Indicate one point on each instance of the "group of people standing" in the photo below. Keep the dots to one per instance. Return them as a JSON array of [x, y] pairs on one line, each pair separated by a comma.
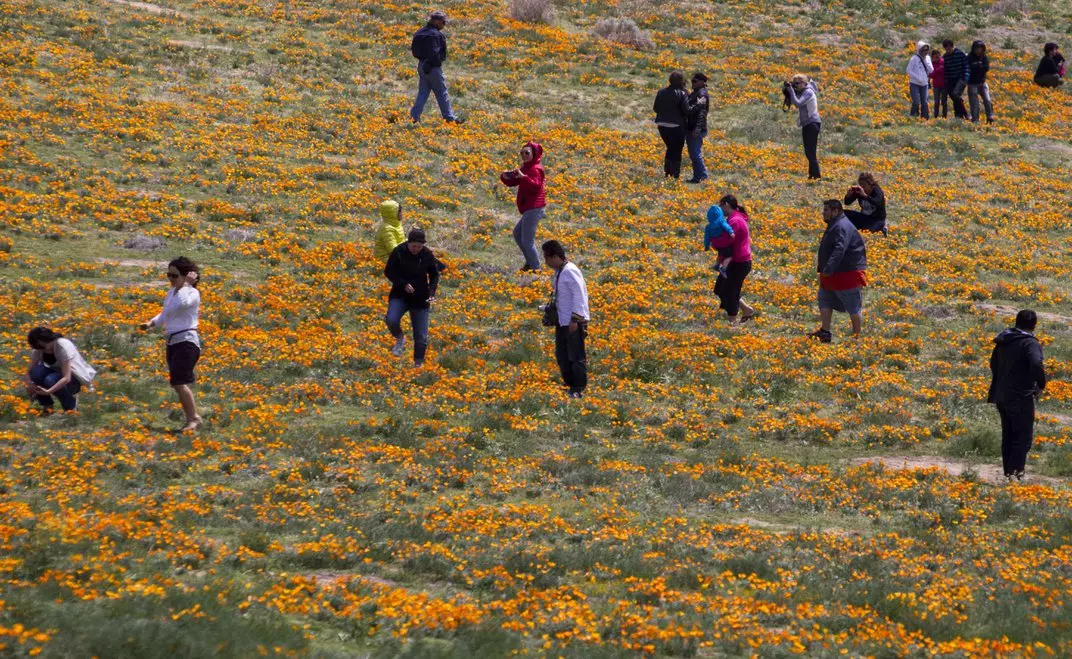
[[950, 74]]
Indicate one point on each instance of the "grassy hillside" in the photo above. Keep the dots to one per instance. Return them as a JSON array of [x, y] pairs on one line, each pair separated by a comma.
[[716, 493]]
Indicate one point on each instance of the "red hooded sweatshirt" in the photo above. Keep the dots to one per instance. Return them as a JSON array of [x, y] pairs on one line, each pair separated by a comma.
[[530, 193]]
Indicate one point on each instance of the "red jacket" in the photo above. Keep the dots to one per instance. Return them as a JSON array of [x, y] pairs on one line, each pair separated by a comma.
[[530, 189], [938, 75]]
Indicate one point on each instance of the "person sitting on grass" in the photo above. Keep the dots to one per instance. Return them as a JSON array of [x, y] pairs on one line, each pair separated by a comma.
[[389, 233], [717, 226], [872, 213], [841, 264], [1051, 68], [56, 369]]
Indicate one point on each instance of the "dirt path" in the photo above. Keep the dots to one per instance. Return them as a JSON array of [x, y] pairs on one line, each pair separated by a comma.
[[151, 8], [197, 45], [1006, 310], [133, 263], [988, 473]]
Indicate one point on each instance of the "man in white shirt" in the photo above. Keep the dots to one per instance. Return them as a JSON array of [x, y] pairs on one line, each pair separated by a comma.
[[571, 303]]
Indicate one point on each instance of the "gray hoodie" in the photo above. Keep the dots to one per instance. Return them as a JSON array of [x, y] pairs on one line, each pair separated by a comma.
[[807, 104]]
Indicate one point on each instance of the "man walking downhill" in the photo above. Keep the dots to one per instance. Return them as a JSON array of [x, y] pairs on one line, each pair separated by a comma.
[[842, 262], [956, 77], [430, 48], [696, 126], [571, 304], [1018, 379]]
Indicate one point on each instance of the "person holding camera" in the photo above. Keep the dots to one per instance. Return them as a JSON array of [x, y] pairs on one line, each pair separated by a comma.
[[413, 272], [568, 313], [671, 112], [872, 213], [956, 77], [919, 70], [803, 93], [696, 126], [56, 369], [429, 47], [531, 201], [1051, 68]]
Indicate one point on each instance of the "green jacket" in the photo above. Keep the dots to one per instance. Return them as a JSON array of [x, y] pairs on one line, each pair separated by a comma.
[[389, 233]]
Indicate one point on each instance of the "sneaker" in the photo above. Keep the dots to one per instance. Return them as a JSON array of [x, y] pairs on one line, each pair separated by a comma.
[[695, 180], [885, 232], [824, 336], [1019, 476], [400, 345], [456, 120], [418, 364], [576, 394]]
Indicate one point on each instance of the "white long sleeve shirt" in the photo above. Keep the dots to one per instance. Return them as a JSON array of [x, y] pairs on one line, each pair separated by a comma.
[[919, 70], [571, 295], [179, 316]]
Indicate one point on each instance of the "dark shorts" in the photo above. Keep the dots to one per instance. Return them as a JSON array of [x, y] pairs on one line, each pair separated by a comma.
[[850, 301], [181, 358]]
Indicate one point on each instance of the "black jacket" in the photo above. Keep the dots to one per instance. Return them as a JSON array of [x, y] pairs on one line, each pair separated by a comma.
[[956, 68], [420, 270], [873, 206], [978, 65], [696, 116], [671, 106], [842, 249], [429, 46], [1016, 365], [1048, 66]]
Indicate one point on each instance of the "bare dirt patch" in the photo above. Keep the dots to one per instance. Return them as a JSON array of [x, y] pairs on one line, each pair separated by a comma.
[[785, 529], [134, 263], [151, 8], [332, 578], [1006, 310], [987, 473], [197, 45]]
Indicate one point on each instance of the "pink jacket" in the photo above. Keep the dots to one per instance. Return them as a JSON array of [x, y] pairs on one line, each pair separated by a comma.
[[741, 240]]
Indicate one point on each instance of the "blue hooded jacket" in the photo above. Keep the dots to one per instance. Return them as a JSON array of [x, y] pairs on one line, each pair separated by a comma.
[[716, 226]]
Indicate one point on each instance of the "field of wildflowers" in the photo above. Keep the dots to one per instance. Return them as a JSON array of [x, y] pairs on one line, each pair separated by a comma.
[[716, 493]]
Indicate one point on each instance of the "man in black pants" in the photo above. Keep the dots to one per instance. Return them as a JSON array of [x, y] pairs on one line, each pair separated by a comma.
[[1018, 378]]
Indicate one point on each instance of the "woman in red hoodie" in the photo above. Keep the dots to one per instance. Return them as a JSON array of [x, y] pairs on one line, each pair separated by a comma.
[[941, 94], [531, 200]]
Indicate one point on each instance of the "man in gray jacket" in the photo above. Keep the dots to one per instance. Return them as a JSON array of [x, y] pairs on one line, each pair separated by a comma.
[[841, 264], [571, 304]]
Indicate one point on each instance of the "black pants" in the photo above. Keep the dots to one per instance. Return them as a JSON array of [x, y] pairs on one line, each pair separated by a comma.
[[864, 222], [941, 98], [960, 111], [569, 351], [811, 148], [728, 286], [1017, 433], [674, 138]]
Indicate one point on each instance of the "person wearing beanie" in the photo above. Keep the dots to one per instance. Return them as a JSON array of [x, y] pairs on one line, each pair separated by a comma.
[[389, 234], [413, 272], [716, 228], [429, 48], [919, 70], [531, 201], [978, 66], [696, 126]]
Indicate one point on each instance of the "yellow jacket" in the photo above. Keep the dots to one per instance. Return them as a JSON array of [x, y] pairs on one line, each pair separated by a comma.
[[389, 233]]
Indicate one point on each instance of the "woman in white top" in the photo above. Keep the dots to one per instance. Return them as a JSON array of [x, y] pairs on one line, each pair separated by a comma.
[[56, 369], [182, 306]]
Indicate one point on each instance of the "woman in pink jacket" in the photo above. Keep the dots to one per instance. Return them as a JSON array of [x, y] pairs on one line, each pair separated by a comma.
[[531, 200], [728, 286]]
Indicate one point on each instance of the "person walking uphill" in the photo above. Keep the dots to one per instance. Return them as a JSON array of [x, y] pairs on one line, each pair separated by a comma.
[[978, 66], [841, 264], [671, 113], [56, 369], [696, 126], [389, 234], [956, 77], [179, 318], [531, 201], [919, 70], [804, 95], [569, 314], [429, 47], [1018, 378], [728, 285], [414, 275]]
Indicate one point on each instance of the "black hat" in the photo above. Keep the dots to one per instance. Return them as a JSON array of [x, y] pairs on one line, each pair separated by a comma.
[[699, 76], [417, 236]]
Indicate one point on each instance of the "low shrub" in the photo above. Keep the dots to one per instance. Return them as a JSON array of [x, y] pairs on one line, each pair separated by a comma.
[[532, 11], [624, 31]]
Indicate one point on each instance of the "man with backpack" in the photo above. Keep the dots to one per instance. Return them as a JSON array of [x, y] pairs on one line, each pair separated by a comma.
[[429, 47]]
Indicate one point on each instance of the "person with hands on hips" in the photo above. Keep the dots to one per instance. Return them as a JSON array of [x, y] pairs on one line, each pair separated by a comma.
[[413, 271], [179, 318]]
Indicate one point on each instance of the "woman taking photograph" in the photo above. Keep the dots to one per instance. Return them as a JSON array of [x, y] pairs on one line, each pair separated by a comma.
[[531, 201], [182, 307], [728, 285], [803, 93], [56, 369], [872, 213]]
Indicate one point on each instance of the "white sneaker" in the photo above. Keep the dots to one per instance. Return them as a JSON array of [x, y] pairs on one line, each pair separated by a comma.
[[400, 345]]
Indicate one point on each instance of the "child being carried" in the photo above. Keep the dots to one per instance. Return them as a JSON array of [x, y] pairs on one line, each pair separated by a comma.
[[717, 226]]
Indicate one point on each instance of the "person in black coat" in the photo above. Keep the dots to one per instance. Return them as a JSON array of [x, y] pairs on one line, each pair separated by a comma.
[[1018, 378], [872, 213], [1050, 71], [429, 48], [414, 274], [696, 126], [671, 112]]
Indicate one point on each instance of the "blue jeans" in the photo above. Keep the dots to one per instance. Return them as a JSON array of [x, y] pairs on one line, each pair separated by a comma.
[[431, 82], [525, 236], [396, 308], [920, 101], [695, 145], [46, 377]]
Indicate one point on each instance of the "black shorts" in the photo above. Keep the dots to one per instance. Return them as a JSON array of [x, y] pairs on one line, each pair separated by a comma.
[[181, 358]]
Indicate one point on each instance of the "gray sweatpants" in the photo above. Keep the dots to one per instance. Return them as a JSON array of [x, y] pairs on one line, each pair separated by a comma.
[[525, 236]]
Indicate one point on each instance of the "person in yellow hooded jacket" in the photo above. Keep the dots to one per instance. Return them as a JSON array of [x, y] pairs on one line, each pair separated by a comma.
[[389, 234]]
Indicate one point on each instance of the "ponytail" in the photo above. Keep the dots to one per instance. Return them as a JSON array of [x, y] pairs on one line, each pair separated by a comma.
[[731, 201]]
